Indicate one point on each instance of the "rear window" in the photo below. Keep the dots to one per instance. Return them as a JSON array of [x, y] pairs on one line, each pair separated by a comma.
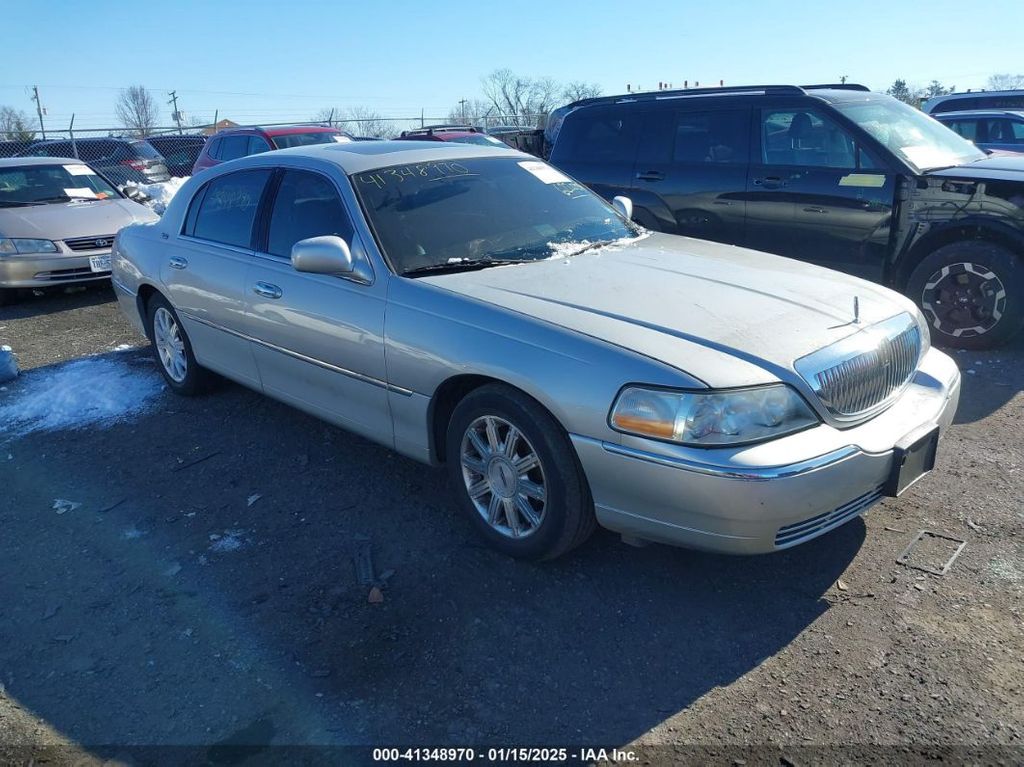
[[144, 149], [233, 147], [304, 139]]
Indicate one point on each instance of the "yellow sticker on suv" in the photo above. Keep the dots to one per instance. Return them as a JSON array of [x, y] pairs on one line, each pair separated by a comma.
[[875, 180]]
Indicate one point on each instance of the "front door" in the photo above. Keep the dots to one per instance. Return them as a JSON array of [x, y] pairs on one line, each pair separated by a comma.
[[814, 194], [204, 271], [318, 339]]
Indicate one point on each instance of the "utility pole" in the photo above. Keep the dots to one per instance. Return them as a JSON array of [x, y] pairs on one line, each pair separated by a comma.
[[177, 114], [462, 103], [39, 109], [842, 79]]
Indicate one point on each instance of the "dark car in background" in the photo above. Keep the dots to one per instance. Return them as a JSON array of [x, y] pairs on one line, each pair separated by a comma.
[[999, 130], [180, 152], [460, 134], [121, 160], [970, 100], [241, 142], [834, 175]]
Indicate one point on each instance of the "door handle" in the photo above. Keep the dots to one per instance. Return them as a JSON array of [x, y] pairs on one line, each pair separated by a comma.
[[650, 175], [266, 290], [177, 262], [770, 182]]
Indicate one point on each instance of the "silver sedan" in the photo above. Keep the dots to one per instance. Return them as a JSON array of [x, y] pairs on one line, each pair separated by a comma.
[[474, 307]]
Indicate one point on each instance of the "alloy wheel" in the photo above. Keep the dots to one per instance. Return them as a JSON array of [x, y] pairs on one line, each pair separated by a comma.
[[964, 299], [170, 345]]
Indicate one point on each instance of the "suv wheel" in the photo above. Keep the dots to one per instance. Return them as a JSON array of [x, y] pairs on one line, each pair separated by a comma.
[[516, 475], [971, 293]]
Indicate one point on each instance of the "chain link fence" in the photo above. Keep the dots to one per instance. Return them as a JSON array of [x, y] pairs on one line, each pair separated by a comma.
[[162, 153]]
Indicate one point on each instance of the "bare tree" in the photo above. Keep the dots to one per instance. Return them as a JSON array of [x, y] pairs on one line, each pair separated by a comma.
[[578, 89], [16, 125], [1005, 82], [137, 110], [473, 112], [521, 100], [358, 120]]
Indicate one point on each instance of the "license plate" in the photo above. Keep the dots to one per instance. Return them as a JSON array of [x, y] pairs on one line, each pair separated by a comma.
[[99, 263], [913, 457]]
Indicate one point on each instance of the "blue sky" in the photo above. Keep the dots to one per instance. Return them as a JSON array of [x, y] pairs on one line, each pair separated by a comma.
[[272, 61]]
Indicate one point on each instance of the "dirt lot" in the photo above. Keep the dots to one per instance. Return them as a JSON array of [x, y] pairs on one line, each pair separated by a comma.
[[204, 593]]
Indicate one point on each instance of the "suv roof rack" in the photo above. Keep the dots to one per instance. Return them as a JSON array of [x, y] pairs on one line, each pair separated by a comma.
[[430, 130], [790, 90], [836, 87]]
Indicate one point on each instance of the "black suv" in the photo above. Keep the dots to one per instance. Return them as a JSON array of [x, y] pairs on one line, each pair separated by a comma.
[[121, 160], [180, 152], [832, 174]]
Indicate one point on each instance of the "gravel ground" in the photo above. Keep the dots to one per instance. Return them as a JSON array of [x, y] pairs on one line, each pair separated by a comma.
[[205, 593]]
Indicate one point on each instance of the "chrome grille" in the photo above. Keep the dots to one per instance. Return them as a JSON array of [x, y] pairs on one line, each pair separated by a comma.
[[861, 374], [790, 535], [91, 243]]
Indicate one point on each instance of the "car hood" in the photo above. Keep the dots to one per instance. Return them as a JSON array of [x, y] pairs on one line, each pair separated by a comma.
[[725, 315], [61, 221], [997, 166]]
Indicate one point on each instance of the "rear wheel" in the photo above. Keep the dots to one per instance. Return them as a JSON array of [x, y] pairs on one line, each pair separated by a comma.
[[971, 293], [516, 475], [173, 350]]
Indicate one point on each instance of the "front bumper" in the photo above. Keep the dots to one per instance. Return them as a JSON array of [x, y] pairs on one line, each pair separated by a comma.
[[764, 497], [48, 270]]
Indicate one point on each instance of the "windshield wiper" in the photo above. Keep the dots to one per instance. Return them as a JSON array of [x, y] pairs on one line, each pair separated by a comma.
[[12, 203], [66, 198], [462, 265]]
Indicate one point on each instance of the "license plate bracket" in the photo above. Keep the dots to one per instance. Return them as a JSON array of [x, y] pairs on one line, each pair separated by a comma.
[[913, 457], [99, 263]]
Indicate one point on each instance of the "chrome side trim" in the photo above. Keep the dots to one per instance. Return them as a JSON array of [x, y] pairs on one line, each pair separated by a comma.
[[296, 355], [747, 474]]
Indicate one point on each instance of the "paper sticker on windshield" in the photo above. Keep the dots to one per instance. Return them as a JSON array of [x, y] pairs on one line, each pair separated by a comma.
[[544, 172], [874, 180], [80, 191], [78, 170]]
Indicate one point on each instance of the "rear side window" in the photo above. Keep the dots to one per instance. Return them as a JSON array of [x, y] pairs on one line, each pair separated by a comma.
[[145, 149], [599, 135], [214, 150], [307, 205], [712, 137], [233, 147], [224, 210], [257, 144]]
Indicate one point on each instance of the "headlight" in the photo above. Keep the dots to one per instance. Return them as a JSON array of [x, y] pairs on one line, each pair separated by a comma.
[[711, 418], [20, 245]]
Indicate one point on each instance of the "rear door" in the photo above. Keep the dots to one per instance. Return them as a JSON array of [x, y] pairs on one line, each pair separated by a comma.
[[205, 269], [815, 194], [318, 338], [691, 171]]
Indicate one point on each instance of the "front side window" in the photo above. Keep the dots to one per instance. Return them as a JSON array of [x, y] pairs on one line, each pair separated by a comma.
[[477, 212], [307, 205], [966, 128], [39, 184], [919, 140], [804, 137], [227, 208], [712, 137]]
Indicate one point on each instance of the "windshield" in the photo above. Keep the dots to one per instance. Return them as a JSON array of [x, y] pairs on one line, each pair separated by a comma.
[[924, 143], [288, 140], [444, 214], [477, 138], [43, 184]]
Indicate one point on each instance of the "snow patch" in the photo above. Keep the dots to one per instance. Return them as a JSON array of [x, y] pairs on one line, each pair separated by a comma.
[[92, 391], [566, 249], [160, 195], [230, 541]]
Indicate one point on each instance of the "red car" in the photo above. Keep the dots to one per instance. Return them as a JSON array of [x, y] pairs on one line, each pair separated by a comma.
[[233, 143], [457, 133]]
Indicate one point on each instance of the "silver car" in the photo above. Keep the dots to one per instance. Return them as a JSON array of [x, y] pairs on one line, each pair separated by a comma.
[[476, 308], [58, 219]]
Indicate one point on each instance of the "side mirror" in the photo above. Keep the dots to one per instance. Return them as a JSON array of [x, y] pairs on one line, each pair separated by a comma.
[[132, 192], [624, 205], [322, 255]]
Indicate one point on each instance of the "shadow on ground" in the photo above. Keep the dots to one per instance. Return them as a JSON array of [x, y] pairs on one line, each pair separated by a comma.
[[204, 592]]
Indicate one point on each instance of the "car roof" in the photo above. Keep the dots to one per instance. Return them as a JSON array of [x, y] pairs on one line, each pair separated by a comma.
[[980, 113], [361, 156], [277, 130], [89, 139], [10, 162]]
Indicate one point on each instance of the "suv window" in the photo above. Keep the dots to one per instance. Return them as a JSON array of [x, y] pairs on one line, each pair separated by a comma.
[[601, 135], [307, 205], [233, 147], [966, 128], [226, 208], [257, 144], [712, 137], [804, 137], [214, 150]]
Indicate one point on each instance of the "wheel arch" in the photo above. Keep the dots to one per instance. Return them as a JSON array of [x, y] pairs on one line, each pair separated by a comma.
[[994, 232], [145, 292]]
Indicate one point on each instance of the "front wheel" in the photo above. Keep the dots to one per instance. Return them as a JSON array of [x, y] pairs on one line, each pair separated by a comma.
[[516, 475], [971, 293]]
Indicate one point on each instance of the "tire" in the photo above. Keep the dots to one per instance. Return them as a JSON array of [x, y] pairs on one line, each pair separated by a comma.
[[8, 296], [555, 489], [971, 293], [173, 350]]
